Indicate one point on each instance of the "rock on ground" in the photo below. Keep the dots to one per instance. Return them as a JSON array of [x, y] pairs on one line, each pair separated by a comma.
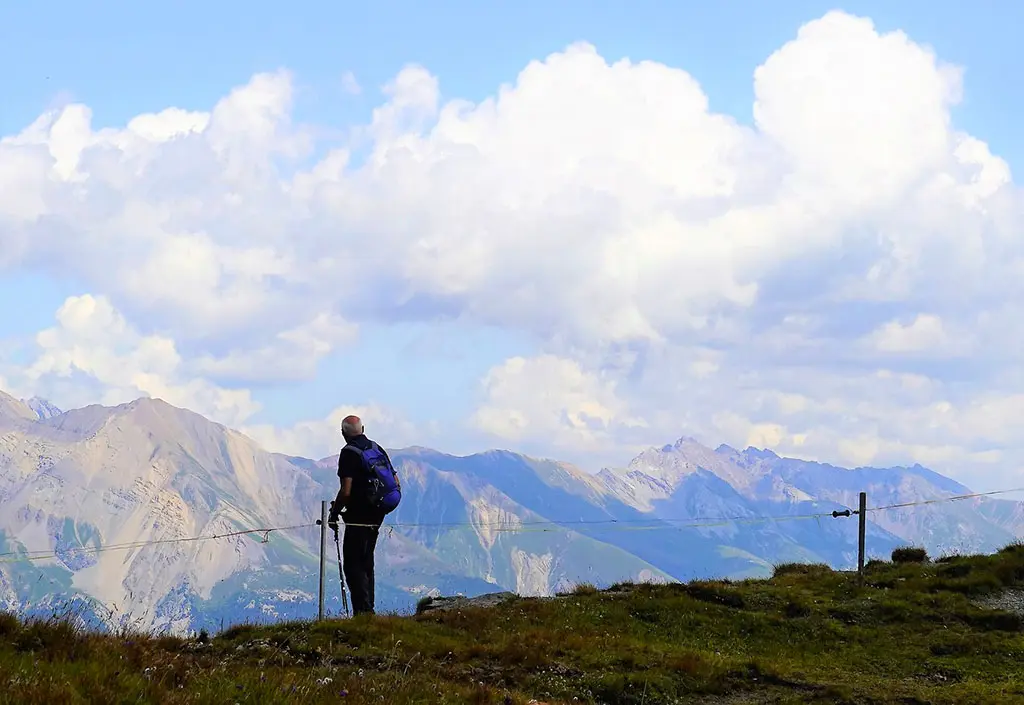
[[491, 599], [1011, 600]]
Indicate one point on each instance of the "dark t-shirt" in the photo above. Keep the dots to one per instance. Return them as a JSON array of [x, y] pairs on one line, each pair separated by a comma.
[[351, 465]]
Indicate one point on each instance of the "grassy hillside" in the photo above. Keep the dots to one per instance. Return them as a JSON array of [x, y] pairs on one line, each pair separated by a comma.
[[912, 633]]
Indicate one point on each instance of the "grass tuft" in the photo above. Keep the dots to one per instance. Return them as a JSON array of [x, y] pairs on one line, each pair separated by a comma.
[[715, 593], [580, 589], [1014, 547], [9, 625]]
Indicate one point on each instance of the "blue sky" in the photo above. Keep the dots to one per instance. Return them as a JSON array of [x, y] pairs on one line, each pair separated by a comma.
[[123, 59]]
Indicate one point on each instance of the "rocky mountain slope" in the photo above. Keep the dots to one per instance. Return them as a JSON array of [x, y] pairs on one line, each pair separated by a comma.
[[111, 478], [661, 482]]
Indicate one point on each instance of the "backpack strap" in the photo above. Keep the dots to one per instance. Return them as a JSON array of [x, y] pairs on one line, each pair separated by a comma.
[[362, 455], [356, 449]]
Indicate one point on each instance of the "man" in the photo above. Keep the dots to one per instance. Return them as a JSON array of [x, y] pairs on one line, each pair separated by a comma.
[[369, 491]]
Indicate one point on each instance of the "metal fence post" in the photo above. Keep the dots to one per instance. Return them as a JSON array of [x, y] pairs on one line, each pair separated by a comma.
[[323, 549], [861, 528]]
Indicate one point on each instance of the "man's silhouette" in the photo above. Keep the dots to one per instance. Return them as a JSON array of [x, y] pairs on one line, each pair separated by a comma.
[[369, 491]]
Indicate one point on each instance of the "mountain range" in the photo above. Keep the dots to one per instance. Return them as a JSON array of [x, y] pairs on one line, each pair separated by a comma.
[[100, 506]]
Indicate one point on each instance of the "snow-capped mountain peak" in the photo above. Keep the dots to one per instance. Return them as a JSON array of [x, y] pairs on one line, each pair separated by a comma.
[[43, 408]]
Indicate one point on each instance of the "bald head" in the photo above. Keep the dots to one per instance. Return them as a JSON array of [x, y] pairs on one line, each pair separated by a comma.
[[351, 426]]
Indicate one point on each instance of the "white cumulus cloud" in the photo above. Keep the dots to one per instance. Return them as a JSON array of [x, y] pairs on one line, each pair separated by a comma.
[[924, 332], [553, 399], [835, 279], [95, 348], [322, 437]]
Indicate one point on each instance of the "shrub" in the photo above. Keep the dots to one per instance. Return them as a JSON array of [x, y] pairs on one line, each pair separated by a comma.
[[909, 554], [809, 569], [955, 570]]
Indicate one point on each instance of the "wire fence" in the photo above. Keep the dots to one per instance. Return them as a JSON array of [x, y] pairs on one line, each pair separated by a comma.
[[515, 526]]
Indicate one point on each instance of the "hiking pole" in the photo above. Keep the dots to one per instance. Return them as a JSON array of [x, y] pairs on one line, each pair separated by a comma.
[[341, 574]]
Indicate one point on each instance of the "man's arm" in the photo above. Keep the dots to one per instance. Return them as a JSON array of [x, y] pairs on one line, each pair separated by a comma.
[[340, 501], [346, 472], [344, 493]]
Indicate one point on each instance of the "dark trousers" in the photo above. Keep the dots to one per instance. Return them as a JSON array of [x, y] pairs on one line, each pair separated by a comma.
[[357, 550]]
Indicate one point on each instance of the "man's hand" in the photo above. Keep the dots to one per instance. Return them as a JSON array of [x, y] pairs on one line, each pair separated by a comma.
[[332, 518]]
